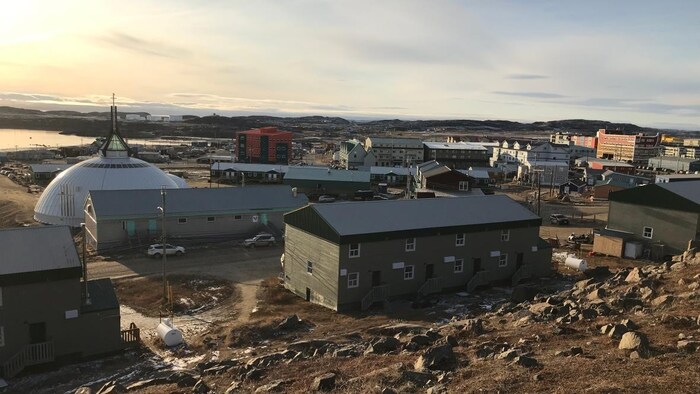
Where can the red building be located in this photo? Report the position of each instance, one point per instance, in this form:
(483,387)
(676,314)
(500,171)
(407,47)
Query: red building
(264,145)
(635,148)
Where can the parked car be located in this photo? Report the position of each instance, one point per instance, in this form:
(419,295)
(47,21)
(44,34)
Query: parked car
(156,250)
(324,198)
(558,218)
(262,239)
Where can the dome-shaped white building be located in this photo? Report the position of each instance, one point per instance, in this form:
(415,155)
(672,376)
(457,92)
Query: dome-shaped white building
(114,169)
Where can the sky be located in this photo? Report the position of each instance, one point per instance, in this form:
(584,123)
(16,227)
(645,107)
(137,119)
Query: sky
(622,61)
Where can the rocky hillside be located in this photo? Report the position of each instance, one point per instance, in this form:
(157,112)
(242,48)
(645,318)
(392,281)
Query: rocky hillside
(631,329)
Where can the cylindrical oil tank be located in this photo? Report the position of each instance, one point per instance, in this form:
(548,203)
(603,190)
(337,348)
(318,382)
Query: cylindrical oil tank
(576,263)
(170,335)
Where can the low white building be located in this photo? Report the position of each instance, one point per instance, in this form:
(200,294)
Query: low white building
(550,161)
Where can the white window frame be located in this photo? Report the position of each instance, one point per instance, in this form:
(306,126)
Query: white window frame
(463,185)
(459,266)
(503,260)
(353,280)
(409,272)
(505,235)
(353,253)
(650,232)
(411,244)
(309,267)
(460,239)
(181,220)
(2,336)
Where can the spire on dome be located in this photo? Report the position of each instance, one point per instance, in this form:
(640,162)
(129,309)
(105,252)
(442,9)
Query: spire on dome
(115,146)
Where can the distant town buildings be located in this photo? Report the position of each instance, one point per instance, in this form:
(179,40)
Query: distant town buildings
(392,152)
(635,148)
(547,162)
(460,155)
(264,145)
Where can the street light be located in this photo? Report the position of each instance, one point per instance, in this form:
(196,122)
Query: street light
(161,209)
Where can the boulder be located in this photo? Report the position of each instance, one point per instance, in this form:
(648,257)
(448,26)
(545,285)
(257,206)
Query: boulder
(347,351)
(631,326)
(420,340)
(508,355)
(267,359)
(325,382)
(417,377)
(290,323)
(383,345)
(472,327)
(272,387)
(80,390)
(309,345)
(142,384)
(393,329)
(688,346)
(633,340)
(617,331)
(635,276)
(582,284)
(111,388)
(200,387)
(437,389)
(233,388)
(525,361)
(436,357)
(646,292)
(596,294)
(678,266)
(662,301)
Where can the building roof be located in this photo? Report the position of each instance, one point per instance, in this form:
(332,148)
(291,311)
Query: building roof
(266,131)
(454,146)
(396,142)
(677,196)
(673,159)
(676,177)
(35,249)
(377,170)
(396,218)
(102,296)
(246,167)
(121,204)
(478,173)
(606,162)
(326,174)
(48,168)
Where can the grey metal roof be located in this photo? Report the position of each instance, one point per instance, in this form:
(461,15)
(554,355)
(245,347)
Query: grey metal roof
(690,190)
(454,146)
(326,174)
(32,249)
(673,159)
(48,168)
(401,215)
(247,167)
(377,170)
(201,202)
(479,174)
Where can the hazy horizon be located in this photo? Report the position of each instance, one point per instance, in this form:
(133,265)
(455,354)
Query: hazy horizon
(360,60)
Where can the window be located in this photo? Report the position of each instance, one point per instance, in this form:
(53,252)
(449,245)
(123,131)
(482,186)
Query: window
(505,235)
(310,267)
(459,240)
(181,220)
(459,266)
(408,272)
(503,260)
(353,279)
(2,336)
(354,250)
(410,244)
(237,217)
(647,232)
(463,186)
(210,219)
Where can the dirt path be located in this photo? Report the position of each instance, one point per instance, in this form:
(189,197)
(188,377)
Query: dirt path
(247,301)
(16,205)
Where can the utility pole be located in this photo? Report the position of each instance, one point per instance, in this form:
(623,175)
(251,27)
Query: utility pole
(161,208)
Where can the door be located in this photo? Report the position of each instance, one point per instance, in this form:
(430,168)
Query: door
(37,332)
(429,271)
(152,226)
(130,228)
(308,294)
(376,278)
(263,218)
(476,264)
(518,260)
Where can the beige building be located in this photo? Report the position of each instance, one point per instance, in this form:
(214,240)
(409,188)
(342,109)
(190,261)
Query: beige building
(393,152)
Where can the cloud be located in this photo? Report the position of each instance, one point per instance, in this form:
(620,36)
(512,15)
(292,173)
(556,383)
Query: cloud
(540,95)
(526,76)
(143,46)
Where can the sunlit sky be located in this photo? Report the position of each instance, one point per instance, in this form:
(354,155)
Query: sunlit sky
(630,61)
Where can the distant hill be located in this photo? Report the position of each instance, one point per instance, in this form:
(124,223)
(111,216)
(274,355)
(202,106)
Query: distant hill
(96,123)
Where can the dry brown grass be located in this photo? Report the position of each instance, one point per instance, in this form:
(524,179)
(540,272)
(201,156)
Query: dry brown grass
(145,295)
